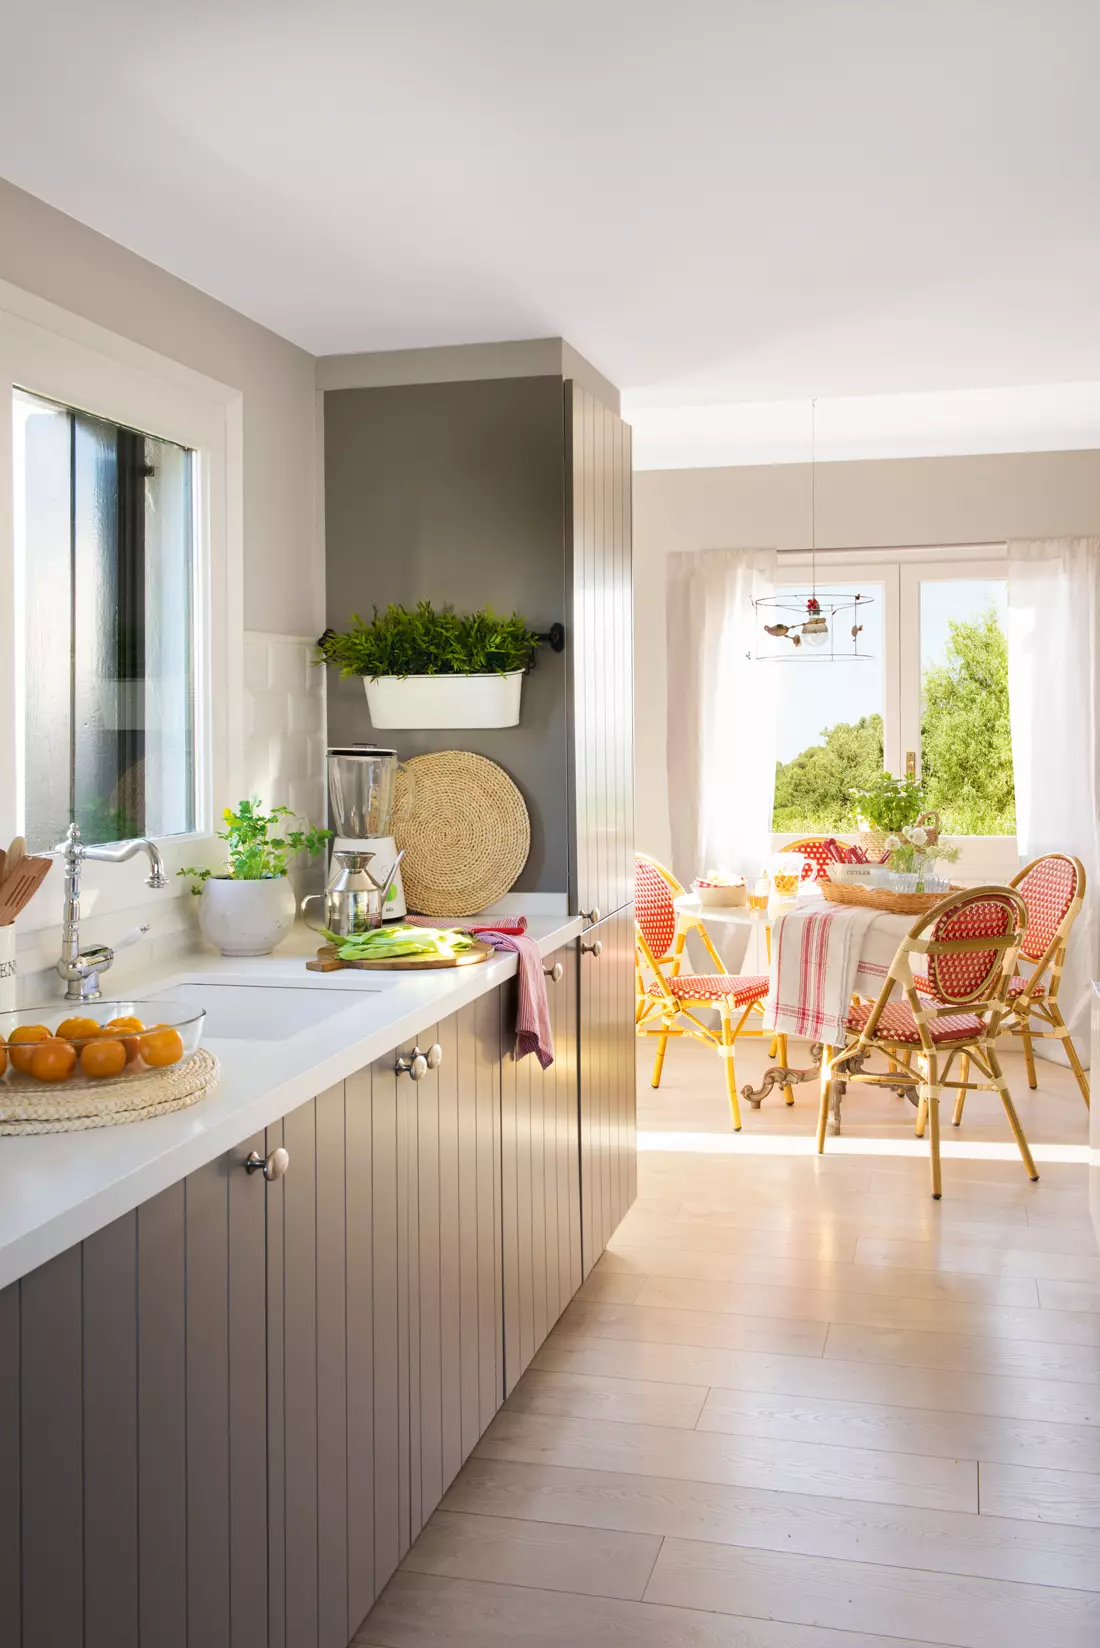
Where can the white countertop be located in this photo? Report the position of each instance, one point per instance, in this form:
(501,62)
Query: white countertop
(57,1188)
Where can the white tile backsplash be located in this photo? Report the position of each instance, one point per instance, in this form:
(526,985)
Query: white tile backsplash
(284,719)
(284,761)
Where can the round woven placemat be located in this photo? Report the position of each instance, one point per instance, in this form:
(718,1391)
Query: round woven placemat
(26,1109)
(464,829)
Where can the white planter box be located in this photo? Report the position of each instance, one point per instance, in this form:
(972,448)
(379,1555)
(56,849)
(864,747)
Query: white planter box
(433,701)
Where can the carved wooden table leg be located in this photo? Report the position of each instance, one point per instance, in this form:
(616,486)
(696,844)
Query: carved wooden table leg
(780,1075)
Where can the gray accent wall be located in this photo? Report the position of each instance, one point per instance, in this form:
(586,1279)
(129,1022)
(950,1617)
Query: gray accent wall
(455,492)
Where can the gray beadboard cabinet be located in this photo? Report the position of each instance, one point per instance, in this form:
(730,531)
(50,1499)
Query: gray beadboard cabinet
(541,1177)
(225,1417)
(606,1086)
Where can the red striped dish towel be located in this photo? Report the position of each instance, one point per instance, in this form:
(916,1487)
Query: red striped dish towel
(533,1032)
(815,958)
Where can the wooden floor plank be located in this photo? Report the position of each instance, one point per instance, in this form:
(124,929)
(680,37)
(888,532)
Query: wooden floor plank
(698,1327)
(547,1555)
(1026,1443)
(879,1380)
(770,1271)
(416,1610)
(1045,1495)
(963,1353)
(987,1259)
(1066,1295)
(650,1231)
(992,1547)
(872,1310)
(619,1401)
(698,1456)
(610,1287)
(941,1608)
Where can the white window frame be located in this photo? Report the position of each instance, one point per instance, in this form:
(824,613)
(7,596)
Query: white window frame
(62,357)
(900,571)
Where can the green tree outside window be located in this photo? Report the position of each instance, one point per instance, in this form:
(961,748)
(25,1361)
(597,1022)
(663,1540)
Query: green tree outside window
(966,747)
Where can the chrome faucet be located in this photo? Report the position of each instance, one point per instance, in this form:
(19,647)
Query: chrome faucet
(81,969)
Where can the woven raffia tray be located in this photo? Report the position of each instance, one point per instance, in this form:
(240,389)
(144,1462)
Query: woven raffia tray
(33,1107)
(464,829)
(881,898)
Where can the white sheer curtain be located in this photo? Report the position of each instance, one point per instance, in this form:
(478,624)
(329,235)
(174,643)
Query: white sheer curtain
(1054,693)
(721,713)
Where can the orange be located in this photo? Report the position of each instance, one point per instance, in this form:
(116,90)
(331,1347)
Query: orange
(102,1057)
(161,1046)
(77,1029)
(129,1029)
(20,1053)
(53,1060)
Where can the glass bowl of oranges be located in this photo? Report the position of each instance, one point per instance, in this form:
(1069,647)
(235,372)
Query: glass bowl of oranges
(85,1043)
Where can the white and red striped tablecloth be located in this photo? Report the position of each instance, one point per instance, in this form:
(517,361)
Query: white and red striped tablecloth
(822,954)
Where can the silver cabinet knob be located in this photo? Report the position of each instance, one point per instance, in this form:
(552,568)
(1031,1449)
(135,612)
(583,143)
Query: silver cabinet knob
(434,1056)
(592,915)
(556,973)
(415,1066)
(593,949)
(272,1167)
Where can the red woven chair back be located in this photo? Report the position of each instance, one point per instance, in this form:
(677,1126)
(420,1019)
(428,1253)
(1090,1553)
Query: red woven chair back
(1048,888)
(964,977)
(819,852)
(653,909)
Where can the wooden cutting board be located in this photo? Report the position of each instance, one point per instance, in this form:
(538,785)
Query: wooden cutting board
(327,961)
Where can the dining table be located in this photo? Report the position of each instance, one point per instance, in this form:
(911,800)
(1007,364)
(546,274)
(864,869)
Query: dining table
(867,941)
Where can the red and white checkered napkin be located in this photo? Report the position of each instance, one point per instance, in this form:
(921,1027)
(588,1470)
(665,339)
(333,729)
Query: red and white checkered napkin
(815,958)
(533,1032)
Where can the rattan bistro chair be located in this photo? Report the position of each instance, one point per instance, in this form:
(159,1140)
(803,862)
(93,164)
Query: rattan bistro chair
(970,941)
(668,1002)
(819,852)
(1053,888)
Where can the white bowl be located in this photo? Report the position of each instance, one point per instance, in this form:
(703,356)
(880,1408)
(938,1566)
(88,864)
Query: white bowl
(721,895)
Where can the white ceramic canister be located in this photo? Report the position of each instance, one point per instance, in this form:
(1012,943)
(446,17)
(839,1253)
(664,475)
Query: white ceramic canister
(9,982)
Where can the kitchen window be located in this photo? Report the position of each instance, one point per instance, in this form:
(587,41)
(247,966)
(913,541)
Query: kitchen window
(104,520)
(121,602)
(932,698)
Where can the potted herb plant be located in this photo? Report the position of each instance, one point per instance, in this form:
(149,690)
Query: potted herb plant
(885,807)
(427,668)
(247,908)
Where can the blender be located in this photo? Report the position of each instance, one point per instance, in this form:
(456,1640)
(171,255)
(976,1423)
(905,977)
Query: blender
(360,801)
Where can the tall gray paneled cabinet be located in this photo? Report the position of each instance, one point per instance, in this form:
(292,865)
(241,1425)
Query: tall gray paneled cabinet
(517,492)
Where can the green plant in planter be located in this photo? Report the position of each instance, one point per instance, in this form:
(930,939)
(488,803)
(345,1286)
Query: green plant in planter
(889,803)
(422,641)
(255,854)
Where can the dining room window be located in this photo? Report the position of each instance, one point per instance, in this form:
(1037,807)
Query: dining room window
(931,699)
(829,725)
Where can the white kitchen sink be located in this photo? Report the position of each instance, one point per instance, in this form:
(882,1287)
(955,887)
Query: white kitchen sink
(259,1012)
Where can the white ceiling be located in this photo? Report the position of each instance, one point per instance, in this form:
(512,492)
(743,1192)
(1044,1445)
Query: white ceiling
(715,201)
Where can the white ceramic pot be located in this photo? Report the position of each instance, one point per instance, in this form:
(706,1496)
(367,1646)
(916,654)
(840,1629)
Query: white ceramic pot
(246,918)
(444,700)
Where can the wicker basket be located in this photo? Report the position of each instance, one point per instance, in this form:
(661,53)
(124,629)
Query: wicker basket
(881,898)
